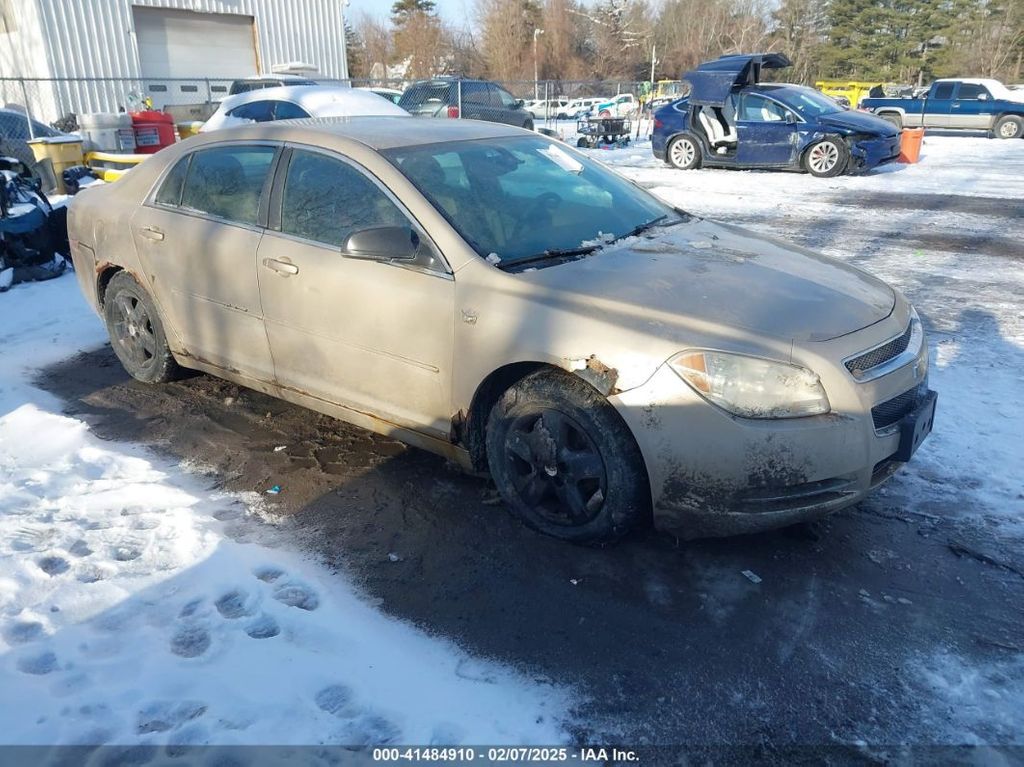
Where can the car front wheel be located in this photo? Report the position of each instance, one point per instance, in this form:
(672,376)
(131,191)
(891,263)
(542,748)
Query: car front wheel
(564,460)
(1009,126)
(826,158)
(528,125)
(135,330)
(683,153)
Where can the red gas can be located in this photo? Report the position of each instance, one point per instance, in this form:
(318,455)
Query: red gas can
(153,131)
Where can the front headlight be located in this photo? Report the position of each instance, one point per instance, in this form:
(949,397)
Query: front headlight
(751,387)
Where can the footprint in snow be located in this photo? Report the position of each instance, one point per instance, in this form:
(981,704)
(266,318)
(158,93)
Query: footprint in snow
(335,699)
(232,605)
(23,632)
(190,641)
(80,549)
(268,574)
(297,595)
(53,565)
(127,553)
(370,730)
(91,574)
(263,627)
(38,665)
(161,716)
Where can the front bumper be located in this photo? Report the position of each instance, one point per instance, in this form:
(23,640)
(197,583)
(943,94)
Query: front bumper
(870,153)
(715,474)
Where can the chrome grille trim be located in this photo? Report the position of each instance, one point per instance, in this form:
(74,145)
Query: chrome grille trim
(887,356)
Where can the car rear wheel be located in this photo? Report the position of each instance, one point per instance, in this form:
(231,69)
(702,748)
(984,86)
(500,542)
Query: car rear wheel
(604,113)
(564,460)
(1009,126)
(683,153)
(826,158)
(136,332)
(894,118)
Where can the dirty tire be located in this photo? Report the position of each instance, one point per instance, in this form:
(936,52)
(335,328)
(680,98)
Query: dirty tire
(136,332)
(564,460)
(826,158)
(683,152)
(893,117)
(1009,126)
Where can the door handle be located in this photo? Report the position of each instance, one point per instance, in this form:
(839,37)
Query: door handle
(151,233)
(281,267)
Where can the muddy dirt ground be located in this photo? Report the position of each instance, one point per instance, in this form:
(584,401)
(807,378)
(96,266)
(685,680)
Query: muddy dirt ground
(667,642)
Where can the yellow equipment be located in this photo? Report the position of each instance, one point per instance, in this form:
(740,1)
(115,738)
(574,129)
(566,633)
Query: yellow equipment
(852,91)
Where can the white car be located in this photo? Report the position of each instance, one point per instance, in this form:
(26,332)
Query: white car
(549,108)
(295,102)
(579,107)
(623,105)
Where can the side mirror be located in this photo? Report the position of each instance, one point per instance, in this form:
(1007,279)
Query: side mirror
(791,118)
(982,97)
(383,243)
(519,104)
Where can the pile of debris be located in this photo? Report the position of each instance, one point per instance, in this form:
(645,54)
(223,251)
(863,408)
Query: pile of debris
(33,233)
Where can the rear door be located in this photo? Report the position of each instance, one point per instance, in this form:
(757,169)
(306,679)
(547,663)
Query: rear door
(370,335)
(197,238)
(766,132)
(971,107)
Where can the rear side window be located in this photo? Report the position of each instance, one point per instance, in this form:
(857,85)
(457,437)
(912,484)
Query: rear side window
(427,92)
(227,181)
(326,200)
(943,91)
(259,111)
(285,110)
(174,182)
(971,91)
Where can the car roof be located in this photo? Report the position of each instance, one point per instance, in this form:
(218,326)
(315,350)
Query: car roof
(314,98)
(377,133)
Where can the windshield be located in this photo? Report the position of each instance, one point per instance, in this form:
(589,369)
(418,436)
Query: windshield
(513,199)
(806,101)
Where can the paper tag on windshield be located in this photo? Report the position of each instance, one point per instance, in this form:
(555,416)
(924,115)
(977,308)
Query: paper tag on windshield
(562,159)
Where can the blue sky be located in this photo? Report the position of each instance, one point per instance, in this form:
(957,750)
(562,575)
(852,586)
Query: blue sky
(455,11)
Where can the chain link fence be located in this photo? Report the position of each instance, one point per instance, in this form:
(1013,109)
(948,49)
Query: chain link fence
(56,101)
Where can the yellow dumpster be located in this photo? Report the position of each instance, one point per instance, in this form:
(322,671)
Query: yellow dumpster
(62,151)
(187,129)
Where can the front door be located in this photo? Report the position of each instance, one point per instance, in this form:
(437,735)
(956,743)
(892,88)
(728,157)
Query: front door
(766,132)
(371,335)
(197,240)
(938,106)
(972,107)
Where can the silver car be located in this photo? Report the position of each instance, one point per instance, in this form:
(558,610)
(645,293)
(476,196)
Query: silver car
(499,298)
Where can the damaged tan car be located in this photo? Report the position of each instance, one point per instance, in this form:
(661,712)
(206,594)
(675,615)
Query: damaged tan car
(501,299)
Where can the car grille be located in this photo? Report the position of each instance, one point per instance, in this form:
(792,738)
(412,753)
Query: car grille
(881,354)
(892,410)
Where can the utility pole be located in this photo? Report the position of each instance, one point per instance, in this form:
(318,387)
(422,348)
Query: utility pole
(654,60)
(536,64)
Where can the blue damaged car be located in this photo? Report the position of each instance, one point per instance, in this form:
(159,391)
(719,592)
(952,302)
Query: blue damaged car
(730,119)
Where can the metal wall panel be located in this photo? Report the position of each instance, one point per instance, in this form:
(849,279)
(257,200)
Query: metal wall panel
(96,39)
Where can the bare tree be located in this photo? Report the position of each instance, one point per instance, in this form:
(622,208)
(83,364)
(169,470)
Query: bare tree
(507,35)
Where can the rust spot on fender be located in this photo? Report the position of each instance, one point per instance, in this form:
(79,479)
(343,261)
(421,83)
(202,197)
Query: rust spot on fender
(596,373)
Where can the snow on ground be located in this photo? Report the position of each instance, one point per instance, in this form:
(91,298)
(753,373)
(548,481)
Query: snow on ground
(947,232)
(139,606)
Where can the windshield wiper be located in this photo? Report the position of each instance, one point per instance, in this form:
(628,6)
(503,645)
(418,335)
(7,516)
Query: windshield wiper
(649,225)
(550,255)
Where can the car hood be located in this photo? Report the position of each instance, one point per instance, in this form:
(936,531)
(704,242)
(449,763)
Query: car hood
(706,275)
(861,122)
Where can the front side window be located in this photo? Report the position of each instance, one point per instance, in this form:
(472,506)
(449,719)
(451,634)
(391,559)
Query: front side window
(257,111)
(518,198)
(505,99)
(326,200)
(972,91)
(754,108)
(227,181)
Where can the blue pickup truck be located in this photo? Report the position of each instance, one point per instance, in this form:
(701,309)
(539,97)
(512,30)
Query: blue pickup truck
(968,104)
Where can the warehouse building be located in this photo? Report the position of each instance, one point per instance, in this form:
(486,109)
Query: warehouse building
(61,56)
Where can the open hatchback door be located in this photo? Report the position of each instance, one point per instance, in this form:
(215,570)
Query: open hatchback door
(713,81)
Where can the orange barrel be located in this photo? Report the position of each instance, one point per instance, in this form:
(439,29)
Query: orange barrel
(910,144)
(153,131)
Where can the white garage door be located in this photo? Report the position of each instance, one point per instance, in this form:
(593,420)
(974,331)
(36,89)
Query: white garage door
(183,44)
